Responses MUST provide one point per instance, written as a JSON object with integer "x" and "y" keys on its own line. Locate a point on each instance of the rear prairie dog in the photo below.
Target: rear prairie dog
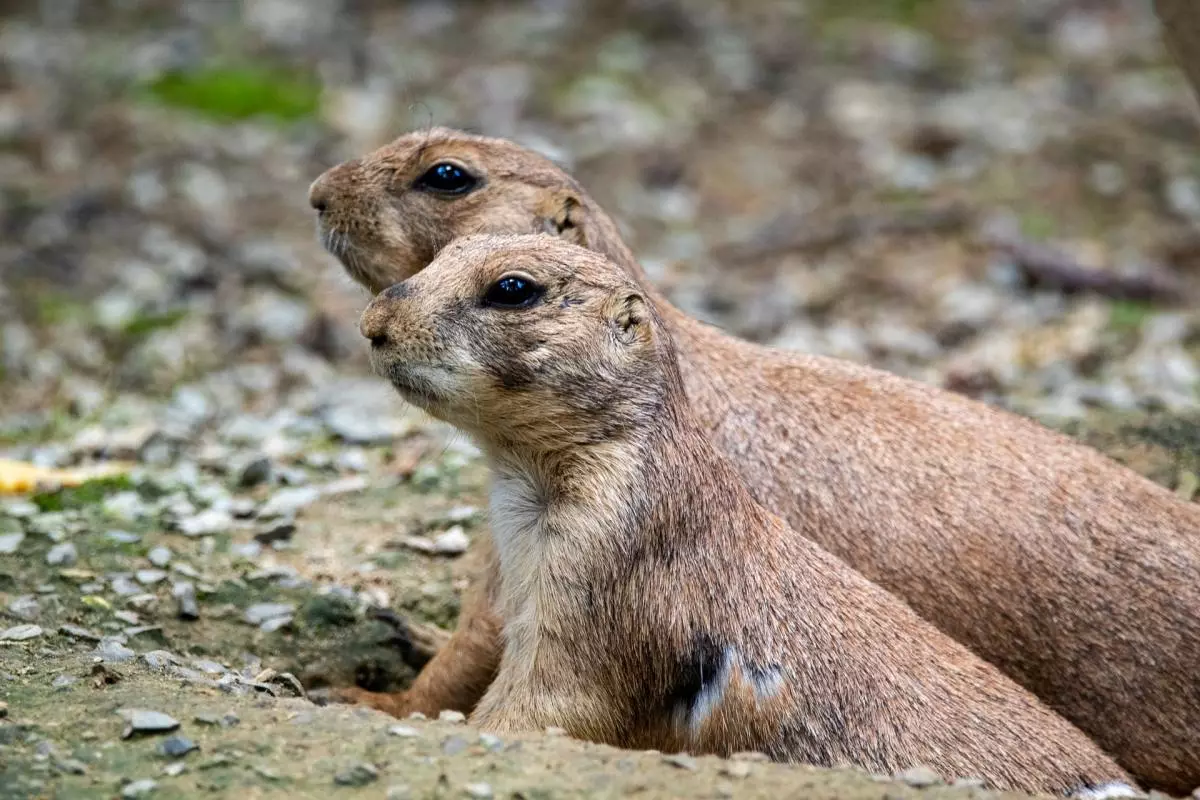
{"x": 649, "y": 601}
{"x": 1072, "y": 574}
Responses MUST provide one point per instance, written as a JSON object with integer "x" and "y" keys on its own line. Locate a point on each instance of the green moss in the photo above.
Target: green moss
{"x": 1128, "y": 315}
{"x": 142, "y": 326}
{"x": 235, "y": 93}
{"x": 327, "y": 611}
{"x": 88, "y": 493}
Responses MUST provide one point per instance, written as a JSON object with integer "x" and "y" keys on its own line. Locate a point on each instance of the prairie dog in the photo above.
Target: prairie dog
{"x": 1073, "y": 575}
{"x": 648, "y": 600}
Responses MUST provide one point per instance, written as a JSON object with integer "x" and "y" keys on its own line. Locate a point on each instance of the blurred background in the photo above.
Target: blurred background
{"x": 999, "y": 198}
{"x": 872, "y": 179}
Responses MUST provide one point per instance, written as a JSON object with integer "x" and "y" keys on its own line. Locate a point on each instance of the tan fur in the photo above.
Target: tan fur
{"x": 648, "y": 600}
{"x": 1072, "y": 574}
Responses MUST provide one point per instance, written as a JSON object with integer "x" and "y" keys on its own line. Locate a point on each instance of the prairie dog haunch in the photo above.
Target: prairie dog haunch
{"x": 648, "y": 600}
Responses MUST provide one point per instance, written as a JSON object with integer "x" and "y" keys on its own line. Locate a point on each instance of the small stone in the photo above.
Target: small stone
{"x": 491, "y": 742}
{"x": 399, "y": 791}
{"x": 9, "y": 542}
{"x": 208, "y": 666}
{"x": 122, "y": 537}
{"x": 161, "y": 659}
{"x": 25, "y": 606}
{"x": 174, "y": 769}
{"x": 20, "y": 633}
{"x": 919, "y": 777}
{"x": 160, "y": 556}
{"x": 125, "y": 586}
{"x": 62, "y": 555}
{"x": 140, "y": 788}
{"x": 206, "y": 523}
{"x": 185, "y": 598}
{"x": 452, "y": 542}
{"x": 128, "y": 617}
{"x": 71, "y": 766}
{"x": 143, "y": 601}
{"x": 265, "y": 773}
{"x": 63, "y": 682}
{"x": 479, "y": 790}
{"x": 448, "y": 715}
{"x": 207, "y": 719}
{"x": 141, "y": 720}
{"x": 76, "y": 632}
{"x": 114, "y": 652}
{"x": 177, "y": 746}
{"x": 404, "y": 731}
{"x": 735, "y": 769}
{"x": 454, "y": 745}
{"x": 286, "y": 502}
{"x": 681, "y": 760}
{"x": 256, "y": 472}
{"x": 280, "y": 531}
{"x": 149, "y": 577}
{"x": 359, "y": 774}
{"x": 259, "y": 613}
{"x": 275, "y": 623}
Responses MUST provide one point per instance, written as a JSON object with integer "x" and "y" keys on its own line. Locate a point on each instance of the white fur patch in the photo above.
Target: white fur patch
{"x": 1107, "y": 791}
{"x": 765, "y": 683}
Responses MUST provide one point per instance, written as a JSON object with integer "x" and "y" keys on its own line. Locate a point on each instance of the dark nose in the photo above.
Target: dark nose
{"x": 378, "y": 315}
{"x": 318, "y": 193}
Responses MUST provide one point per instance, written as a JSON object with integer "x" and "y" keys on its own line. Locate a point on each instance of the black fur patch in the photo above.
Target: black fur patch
{"x": 696, "y": 668}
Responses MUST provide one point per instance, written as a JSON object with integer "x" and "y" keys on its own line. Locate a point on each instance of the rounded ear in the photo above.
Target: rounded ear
{"x": 564, "y": 218}
{"x": 630, "y": 318}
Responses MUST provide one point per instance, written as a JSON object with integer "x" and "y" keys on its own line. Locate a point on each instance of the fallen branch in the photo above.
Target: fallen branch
{"x": 1048, "y": 267}
{"x": 789, "y": 235}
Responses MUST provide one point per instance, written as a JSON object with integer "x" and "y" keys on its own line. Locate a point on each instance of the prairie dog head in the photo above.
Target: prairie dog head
{"x": 523, "y": 340}
{"x": 388, "y": 214}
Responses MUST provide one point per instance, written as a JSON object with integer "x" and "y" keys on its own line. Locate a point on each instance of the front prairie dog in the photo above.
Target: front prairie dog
{"x": 1072, "y": 574}
{"x": 649, "y": 601}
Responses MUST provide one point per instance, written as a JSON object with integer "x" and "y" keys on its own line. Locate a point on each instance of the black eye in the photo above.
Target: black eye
{"x": 447, "y": 178}
{"x": 512, "y": 291}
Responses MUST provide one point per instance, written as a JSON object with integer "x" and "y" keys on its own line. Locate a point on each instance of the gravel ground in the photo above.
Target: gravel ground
{"x": 998, "y": 198}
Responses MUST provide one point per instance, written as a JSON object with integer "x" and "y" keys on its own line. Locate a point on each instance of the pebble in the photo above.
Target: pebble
{"x": 62, "y": 555}
{"x": 140, "y": 788}
{"x": 454, "y": 745}
{"x": 479, "y": 790}
{"x": 491, "y": 742}
{"x": 184, "y": 593}
{"x": 735, "y": 769}
{"x": 449, "y": 715}
{"x": 141, "y": 720}
{"x": 681, "y": 760}
{"x": 76, "y": 632}
{"x": 399, "y": 791}
{"x": 286, "y": 502}
{"x": 160, "y": 556}
{"x": 149, "y": 577}
{"x": 64, "y": 681}
{"x": 9, "y": 542}
{"x": 452, "y": 542}
{"x": 71, "y": 766}
{"x": 113, "y": 652}
{"x": 20, "y": 633}
{"x": 919, "y": 777}
{"x": 261, "y": 613}
{"x": 174, "y": 769}
{"x": 25, "y": 607}
{"x": 359, "y": 774}
{"x": 256, "y": 472}
{"x": 404, "y": 731}
{"x": 206, "y": 523}
{"x": 280, "y": 531}
{"x": 177, "y": 746}
{"x": 160, "y": 659}
{"x": 125, "y": 586}
{"x": 122, "y": 537}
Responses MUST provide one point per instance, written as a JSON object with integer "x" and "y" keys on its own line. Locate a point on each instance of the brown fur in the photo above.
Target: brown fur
{"x": 1072, "y": 574}
{"x": 649, "y": 602}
